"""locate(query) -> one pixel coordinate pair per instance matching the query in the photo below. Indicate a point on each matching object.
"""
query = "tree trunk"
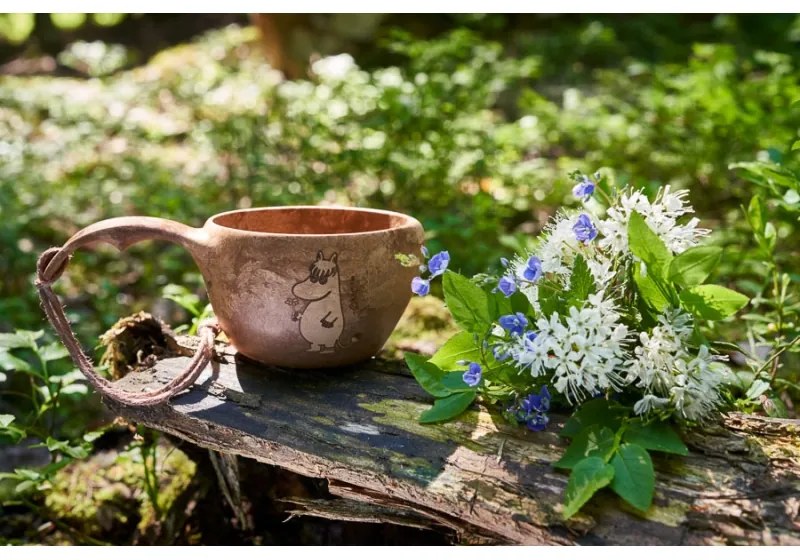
(478, 477)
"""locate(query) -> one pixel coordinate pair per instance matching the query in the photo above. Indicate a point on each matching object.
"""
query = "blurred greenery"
(473, 130)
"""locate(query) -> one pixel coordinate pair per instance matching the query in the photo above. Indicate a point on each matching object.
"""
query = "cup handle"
(122, 233)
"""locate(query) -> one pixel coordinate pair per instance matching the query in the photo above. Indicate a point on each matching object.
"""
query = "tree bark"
(478, 477)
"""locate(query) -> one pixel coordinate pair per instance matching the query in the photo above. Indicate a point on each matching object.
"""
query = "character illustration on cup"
(322, 321)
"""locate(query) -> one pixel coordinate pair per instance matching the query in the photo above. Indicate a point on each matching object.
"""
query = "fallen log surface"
(478, 478)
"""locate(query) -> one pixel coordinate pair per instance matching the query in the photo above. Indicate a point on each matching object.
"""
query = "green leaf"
(28, 474)
(24, 487)
(594, 441)
(447, 408)
(796, 145)
(755, 215)
(549, 300)
(427, 374)
(712, 302)
(9, 362)
(467, 302)
(649, 290)
(656, 436)
(74, 451)
(69, 378)
(90, 437)
(634, 478)
(75, 389)
(20, 339)
(694, 265)
(9, 430)
(53, 351)
(648, 246)
(460, 346)
(588, 476)
(499, 304)
(520, 303)
(581, 283)
(758, 388)
(453, 381)
(769, 238)
(595, 411)
(767, 174)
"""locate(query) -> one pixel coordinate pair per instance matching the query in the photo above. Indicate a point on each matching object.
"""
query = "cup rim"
(406, 221)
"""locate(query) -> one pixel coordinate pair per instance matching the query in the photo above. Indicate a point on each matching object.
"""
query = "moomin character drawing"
(322, 321)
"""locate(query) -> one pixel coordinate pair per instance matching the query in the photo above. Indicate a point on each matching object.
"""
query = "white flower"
(661, 216)
(648, 403)
(601, 268)
(333, 67)
(556, 250)
(669, 373)
(581, 351)
(588, 349)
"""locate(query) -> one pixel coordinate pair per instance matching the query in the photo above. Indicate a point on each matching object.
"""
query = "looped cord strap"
(207, 331)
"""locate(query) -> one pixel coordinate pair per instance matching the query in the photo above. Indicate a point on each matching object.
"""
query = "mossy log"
(478, 477)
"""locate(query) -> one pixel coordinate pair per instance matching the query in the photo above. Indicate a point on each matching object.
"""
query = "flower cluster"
(530, 271)
(670, 375)
(605, 312)
(601, 313)
(586, 349)
(532, 410)
(436, 266)
(661, 216)
(581, 352)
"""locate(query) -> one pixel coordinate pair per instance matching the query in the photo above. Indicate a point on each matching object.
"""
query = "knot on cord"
(209, 329)
(42, 280)
(210, 324)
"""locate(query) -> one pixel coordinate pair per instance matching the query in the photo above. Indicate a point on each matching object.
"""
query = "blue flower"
(532, 410)
(544, 395)
(537, 422)
(500, 353)
(584, 189)
(534, 403)
(473, 375)
(584, 229)
(507, 285)
(438, 263)
(514, 324)
(420, 286)
(533, 269)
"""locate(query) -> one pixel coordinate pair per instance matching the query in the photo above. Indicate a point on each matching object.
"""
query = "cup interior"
(311, 220)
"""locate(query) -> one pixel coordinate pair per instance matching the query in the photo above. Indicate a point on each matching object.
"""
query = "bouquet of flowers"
(603, 318)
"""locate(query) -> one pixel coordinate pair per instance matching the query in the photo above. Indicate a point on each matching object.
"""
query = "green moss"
(672, 514)
(104, 495)
(415, 468)
(96, 495)
(324, 420)
(405, 415)
(424, 327)
(175, 474)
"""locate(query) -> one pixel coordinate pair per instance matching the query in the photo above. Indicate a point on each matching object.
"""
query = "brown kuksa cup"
(298, 286)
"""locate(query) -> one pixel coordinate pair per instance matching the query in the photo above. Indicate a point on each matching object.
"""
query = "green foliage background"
(473, 130)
